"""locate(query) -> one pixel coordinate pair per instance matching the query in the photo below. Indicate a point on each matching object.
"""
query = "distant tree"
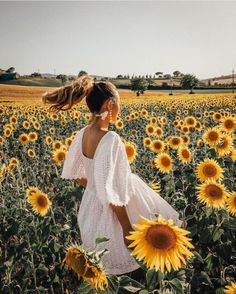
(176, 73)
(119, 77)
(36, 75)
(209, 82)
(189, 81)
(82, 73)
(10, 69)
(139, 85)
(63, 78)
(167, 76)
(159, 73)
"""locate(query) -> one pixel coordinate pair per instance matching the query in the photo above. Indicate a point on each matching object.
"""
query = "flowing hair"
(85, 86)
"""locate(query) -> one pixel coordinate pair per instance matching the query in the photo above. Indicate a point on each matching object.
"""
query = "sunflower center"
(213, 136)
(185, 153)
(42, 201)
(175, 141)
(165, 161)
(209, 170)
(229, 124)
(161, 236)
(214, 192)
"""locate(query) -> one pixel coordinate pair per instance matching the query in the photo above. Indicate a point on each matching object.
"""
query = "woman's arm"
(81, 181)
(123, 218)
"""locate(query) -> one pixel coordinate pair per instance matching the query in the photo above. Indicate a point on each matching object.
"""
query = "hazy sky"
(111, 38)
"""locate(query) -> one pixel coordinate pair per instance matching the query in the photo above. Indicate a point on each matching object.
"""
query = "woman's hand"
(126, 232)
(81, 181)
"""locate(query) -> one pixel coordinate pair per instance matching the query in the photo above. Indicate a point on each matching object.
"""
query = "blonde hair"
(96, 94)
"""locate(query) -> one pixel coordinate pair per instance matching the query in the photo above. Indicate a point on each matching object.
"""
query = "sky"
(119, 37)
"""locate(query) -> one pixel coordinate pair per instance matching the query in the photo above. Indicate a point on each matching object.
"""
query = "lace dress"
(110, 180)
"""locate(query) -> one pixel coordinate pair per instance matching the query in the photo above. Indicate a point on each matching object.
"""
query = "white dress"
(110, 180)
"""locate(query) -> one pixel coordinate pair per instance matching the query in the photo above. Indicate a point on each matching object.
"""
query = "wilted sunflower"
(212, 136)
(164, 162)
(212, 194)
(160, 244)
(157, 146)
(184, 154)
(86, 267)
(225, 146)
(39, 201)
(230, 289)
(231, 203)
(131, 151)
(209, 168)
(59, 155)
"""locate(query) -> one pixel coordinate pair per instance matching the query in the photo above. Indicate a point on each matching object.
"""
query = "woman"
(114, 197)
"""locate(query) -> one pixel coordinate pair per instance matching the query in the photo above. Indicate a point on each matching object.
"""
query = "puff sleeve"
(73, 166)
(112, 173)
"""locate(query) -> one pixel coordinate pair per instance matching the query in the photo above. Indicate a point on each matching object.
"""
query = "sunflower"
(225, 146)
(48, 140)
(209, 168)
(26, 125)
(59, 155)
(155, 186)
(190, 121)
(212, 136)
(233, 154)
(11, 167)
(184, 154)
(158, 132)
(24, 139)
(147, 141)
(86, 267)
(212, 194)
(228, 124)
(230, 289)
(150, 129)
(175, 142)
(31, 152)
(56, 144)
(157, 146)
(164, 162)
(3, 172)
(160, 244)
(33, 136)
(131, 151)
(231, 203)
(39, 201)
(119, 124)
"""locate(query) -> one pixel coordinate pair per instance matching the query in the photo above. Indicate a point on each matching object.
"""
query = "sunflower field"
(183, 146)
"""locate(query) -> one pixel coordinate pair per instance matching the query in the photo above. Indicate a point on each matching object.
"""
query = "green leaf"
(100, 240)
(153, 278)
(217, 234)
(176, 285)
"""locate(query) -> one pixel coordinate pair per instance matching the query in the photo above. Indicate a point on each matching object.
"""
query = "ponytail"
(69, 95)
